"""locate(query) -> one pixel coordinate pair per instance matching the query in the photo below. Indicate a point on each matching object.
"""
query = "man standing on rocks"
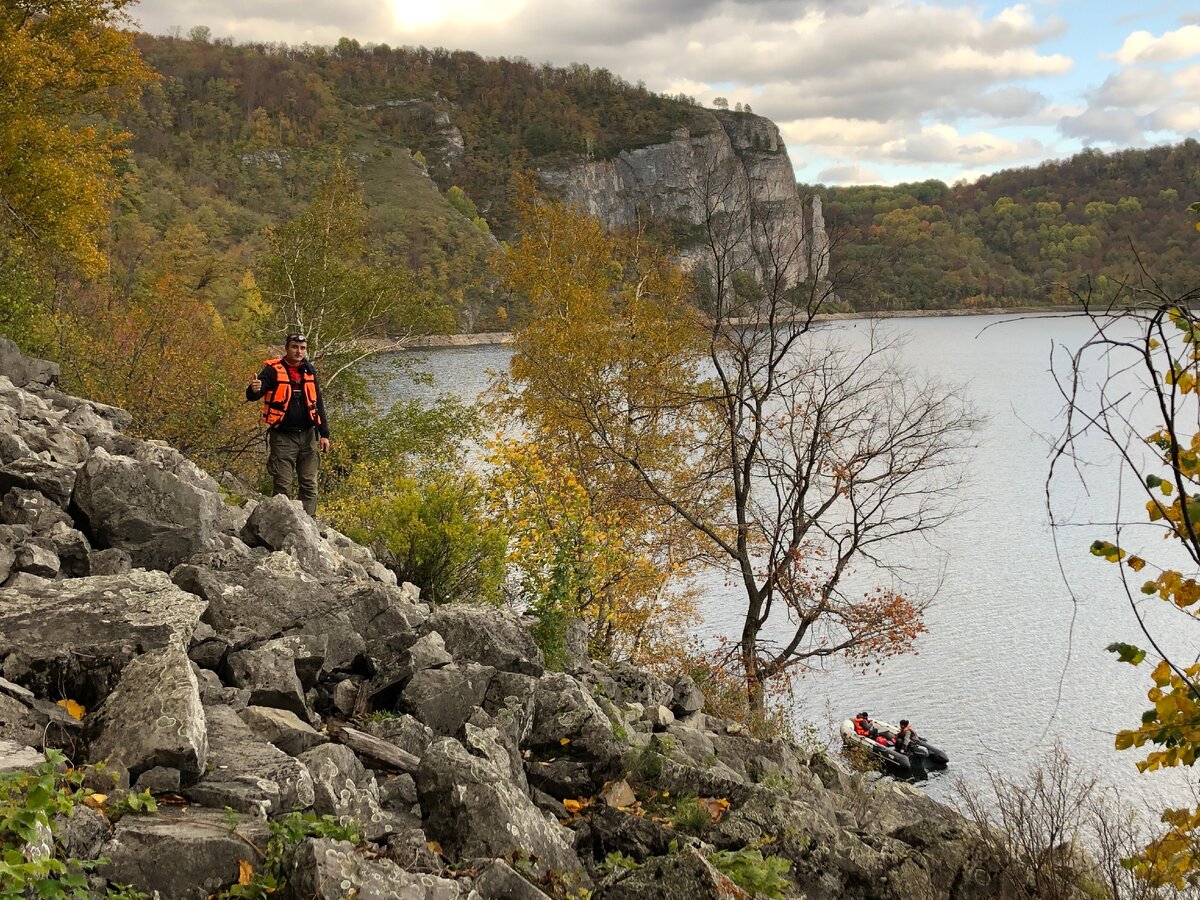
(294, 413)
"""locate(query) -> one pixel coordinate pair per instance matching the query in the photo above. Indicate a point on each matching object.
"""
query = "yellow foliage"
(67, 68)
(597, 563)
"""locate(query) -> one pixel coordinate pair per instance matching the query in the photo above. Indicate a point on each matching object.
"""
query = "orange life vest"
(275, 403)
(860, 725)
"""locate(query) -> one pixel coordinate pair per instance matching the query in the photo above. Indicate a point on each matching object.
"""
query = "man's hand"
(256, 384)
(323, 444)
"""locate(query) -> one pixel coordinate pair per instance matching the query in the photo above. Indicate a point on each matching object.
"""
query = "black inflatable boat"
(918, 757)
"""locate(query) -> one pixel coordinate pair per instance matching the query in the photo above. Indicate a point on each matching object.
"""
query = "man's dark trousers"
(294, 452)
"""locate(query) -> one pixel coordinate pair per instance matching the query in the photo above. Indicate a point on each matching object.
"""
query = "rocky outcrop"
(727, 166)
(278, 669)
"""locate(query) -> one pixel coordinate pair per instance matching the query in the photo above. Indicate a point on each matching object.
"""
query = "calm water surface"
(1014, 657)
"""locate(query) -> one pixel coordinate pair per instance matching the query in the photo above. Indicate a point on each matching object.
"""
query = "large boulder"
(161, 508)
(247, 773)
(571, 739)
(324, 869)
(52, 479)
(487, 635)
(154, 717)
(186, 855)
(281, 523)
(473, 809)
(443, 698)
(31, 508)
(25, 370)
(75, 637)
(282, 728)
(268, 594)
(271, 678)
(344, 789)
(680, 876)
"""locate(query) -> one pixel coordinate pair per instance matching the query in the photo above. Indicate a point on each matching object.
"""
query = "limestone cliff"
(725, 162)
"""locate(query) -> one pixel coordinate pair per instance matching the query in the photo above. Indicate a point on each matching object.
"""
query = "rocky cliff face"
(246, 659)
(730, 164)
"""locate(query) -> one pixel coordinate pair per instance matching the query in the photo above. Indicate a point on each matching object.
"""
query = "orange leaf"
(245, 871)
(75, 710)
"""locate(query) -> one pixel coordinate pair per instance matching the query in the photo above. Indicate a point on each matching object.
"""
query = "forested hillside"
(1016, 237)
(234, 138)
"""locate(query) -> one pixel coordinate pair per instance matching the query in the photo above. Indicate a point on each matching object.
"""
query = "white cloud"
(1172, 46)
(1098, 124)
(943, 144)
(840, 174)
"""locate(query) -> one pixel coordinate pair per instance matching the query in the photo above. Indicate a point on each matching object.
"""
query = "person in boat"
(905, 737)
(862, 725)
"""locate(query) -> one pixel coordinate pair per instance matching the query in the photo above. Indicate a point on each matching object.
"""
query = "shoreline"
(496, 338)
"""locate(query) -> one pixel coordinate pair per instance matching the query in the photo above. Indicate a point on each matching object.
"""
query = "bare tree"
(1058, 833)
(805, 457)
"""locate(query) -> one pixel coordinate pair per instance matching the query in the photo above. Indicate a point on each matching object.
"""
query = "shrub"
(430, 531)
(757, 875)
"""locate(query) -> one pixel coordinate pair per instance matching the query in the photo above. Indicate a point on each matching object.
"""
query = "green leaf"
(1127, 653)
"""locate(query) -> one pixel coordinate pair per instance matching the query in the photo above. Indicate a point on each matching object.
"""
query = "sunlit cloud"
(1172, 46)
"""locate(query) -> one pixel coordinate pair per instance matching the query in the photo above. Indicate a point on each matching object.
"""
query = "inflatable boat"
(917, 758)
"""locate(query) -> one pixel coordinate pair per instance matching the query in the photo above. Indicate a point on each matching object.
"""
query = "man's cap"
(297, 337)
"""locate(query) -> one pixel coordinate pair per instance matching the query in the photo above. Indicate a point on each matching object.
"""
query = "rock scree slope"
(247, 663)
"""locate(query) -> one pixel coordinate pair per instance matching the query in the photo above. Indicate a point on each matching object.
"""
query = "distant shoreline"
(497, 338)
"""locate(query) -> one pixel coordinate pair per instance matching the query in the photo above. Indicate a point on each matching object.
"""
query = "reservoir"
(1014, 657)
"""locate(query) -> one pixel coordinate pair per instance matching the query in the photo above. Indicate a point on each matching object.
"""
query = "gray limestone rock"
(54, 480)
(25, 370)
(17, 722)
(37, 557)
(15, 757)
(154, 717)
(563, 709)
(344, 789)
(324, 869)
(32, 508)
(443, 698)
(487, 635)
(687, 698)
(269, 595)
(659, 717)
(72, 548)
(473, 809)
(245, 766)
(345, 696)
(500, 881)
(405, 731)
(307, 651)
(427, 652)
(680, 876)
(8, 561)
(282, 524)
(283, 728)
(158, 507)
(269, 676)
(158, 780)
(25, 582)
(113, 561)
(204, 853)
(83, 833)
(75, 637)
(729, 160)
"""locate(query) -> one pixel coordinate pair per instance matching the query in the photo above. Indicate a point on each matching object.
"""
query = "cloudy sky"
(865, 91)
